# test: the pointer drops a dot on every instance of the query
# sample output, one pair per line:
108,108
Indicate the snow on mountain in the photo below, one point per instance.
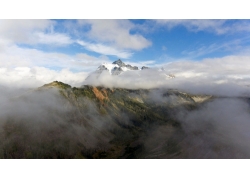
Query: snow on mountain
118,67
107,66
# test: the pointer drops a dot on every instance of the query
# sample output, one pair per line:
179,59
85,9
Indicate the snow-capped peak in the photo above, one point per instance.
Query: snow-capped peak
116,67
108,66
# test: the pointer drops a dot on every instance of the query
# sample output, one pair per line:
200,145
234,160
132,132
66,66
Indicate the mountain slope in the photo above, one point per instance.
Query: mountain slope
126,115
60,121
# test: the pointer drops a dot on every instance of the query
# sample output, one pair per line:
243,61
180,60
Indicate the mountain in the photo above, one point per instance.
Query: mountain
120,68
60,121
116,67
121,120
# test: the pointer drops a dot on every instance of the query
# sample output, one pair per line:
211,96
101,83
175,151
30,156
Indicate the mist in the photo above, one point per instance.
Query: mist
39,123
219,129
43,124
153,78
43,121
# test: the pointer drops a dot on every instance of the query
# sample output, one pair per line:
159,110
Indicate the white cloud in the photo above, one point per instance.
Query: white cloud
51,38
236,46
218,76
32,67
215,26
228,76
21,67
19,31
106,50
31,32
203,50
220,121
229,65
149,63
196,25
117,33
14,56
26,77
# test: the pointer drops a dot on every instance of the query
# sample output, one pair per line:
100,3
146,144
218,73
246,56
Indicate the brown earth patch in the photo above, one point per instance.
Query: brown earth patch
99,94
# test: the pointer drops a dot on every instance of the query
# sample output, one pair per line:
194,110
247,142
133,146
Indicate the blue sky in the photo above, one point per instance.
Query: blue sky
80,46
160,41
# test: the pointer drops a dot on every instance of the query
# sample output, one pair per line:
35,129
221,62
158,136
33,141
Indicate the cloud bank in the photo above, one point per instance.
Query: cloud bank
24,77
217,130
226,76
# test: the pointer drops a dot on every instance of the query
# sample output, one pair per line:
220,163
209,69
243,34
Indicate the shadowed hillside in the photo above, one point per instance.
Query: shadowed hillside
60,121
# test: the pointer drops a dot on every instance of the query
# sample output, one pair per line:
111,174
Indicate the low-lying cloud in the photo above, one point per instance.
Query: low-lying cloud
48,124
217,130
226,76
25,77
43,124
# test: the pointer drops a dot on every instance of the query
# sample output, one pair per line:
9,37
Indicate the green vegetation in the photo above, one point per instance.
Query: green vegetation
58,84
84,92
96,122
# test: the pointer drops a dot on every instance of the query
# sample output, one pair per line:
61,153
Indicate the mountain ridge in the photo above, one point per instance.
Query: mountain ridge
120,69
116,67
100,122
